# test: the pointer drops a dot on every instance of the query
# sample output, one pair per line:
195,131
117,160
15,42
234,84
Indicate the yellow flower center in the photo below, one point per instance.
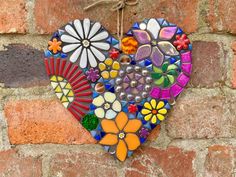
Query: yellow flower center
85,43
121,135
107,106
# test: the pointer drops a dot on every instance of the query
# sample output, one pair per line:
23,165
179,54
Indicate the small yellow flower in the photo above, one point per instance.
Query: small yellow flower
153,111
109,69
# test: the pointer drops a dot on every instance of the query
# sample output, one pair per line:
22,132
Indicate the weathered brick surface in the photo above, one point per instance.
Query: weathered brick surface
22,66
43,121
222,15
220,161
83,164
207,68
13,165
50,16
199,116
172,162
234,65
13,16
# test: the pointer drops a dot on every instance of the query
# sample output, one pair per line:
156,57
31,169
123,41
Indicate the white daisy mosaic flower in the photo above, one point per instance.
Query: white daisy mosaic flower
107,106
85,41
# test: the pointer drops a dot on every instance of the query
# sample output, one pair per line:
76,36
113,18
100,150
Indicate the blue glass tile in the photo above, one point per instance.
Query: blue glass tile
142,140
129,33
147,62
172,60
133,62
92,107
130,153
153,126
93,133
95,94
160,20
136,25
114,41
102,134
63,55
165,23
179,31
47,53
106,148
97,137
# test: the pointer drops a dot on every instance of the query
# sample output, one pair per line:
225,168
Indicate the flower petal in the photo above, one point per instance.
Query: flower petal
167,48
162,111
121,120
153,27
160,104
86,25
167,33
105,74
110,114
108,61
145,111
79,28
132,141
115,65
116,106
109,139
98,101
101,45
100,36
109,97
100,113
132,126
153,103
121,150
109,126
157,56
113,73
100,56
92,59
69,29
160,117
143,52
148,105
84,59
142,36
159,81
69,39
148,117
70,47
102,66
94,29
154,119
75,56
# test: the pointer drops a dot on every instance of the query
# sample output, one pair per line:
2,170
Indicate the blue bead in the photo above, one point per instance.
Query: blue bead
97,137
142,140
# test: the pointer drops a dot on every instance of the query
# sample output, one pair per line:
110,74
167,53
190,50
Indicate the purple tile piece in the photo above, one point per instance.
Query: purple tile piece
165,94
142,36
186,68
167,33
183,79
126,79
138,76
186,57
155,92
176,90
143,52
128,90
157,56
140,87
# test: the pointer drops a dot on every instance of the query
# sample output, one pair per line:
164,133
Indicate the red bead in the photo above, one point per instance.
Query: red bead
114,54
133,108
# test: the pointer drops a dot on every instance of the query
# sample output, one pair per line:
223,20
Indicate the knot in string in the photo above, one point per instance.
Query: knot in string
118,6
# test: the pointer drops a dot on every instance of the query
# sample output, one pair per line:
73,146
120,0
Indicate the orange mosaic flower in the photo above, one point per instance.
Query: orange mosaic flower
129,45
121,132
54,45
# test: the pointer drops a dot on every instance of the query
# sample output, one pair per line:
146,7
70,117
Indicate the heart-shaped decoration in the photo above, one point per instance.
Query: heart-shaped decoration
119,92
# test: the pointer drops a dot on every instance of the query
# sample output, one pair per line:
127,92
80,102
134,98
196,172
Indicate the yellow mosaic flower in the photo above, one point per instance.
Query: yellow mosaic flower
154,110
109,69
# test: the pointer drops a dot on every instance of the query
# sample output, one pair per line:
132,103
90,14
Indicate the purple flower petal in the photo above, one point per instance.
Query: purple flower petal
143,52
167,33
142,36
157,56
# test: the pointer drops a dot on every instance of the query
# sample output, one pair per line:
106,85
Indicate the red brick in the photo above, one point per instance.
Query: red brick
199,115
222,15
51,16
207,69
171,162
220,161
83,164
13,165
13,16
154,134
43,121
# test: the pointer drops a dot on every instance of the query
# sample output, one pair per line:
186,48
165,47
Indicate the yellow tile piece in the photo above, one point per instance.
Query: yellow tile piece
53,78
105,74
102,66
59,78
116,65
160,117
58,89
64,99
113,73
108,61
160,105
70,93
68,86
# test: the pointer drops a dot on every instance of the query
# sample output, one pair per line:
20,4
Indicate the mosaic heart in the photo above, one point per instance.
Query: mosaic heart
119,92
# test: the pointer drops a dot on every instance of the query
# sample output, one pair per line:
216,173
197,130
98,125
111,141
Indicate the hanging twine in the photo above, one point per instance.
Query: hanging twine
118,6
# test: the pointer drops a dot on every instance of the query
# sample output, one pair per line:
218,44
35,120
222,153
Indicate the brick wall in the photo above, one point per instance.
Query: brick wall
38,137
